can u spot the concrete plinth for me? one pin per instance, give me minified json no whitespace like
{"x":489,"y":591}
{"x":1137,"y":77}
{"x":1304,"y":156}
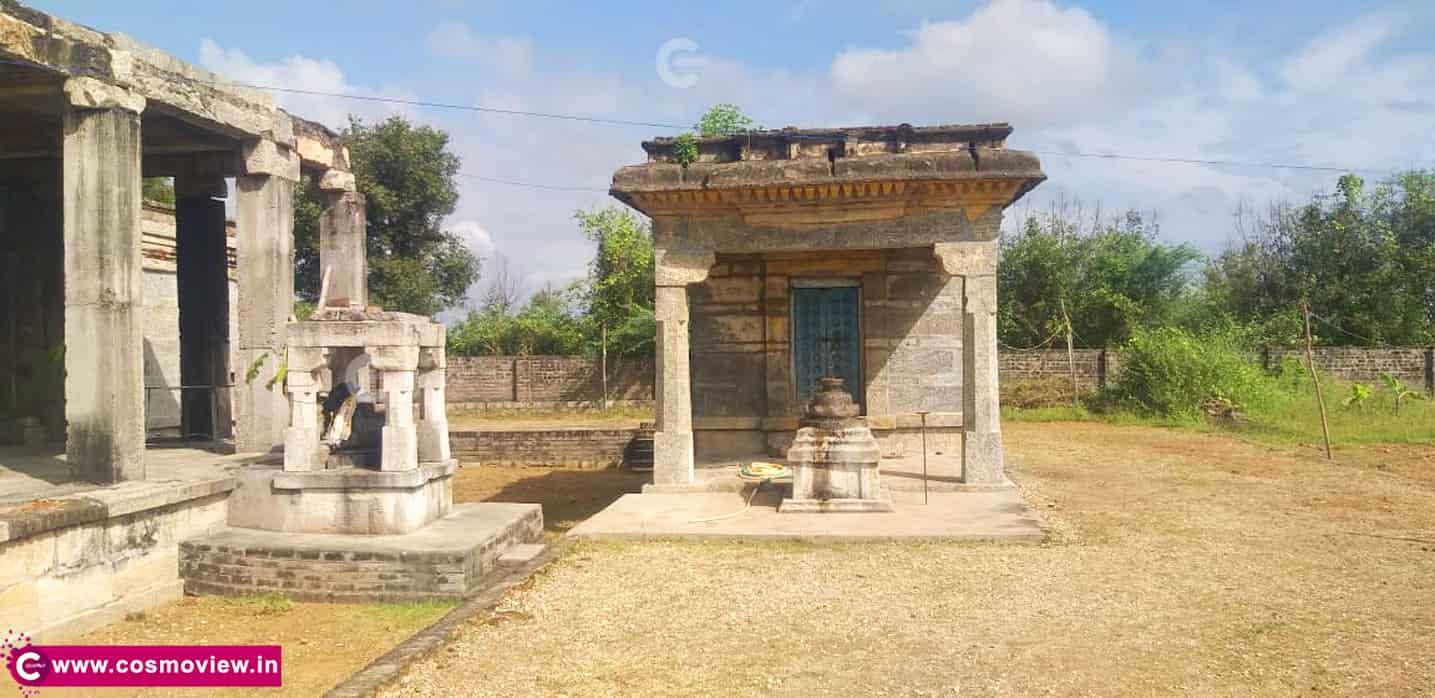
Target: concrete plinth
{"x":343,"y":501}
{"x":444,"y":560}
{"x":997,"y":516}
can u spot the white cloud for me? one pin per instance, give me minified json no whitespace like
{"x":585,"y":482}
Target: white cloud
{"x":510,"y":56}
{"x":1327,"y":60}
{"x":476,"y":236}
{"x":301,"y":73}
{"x":1026,"y":57}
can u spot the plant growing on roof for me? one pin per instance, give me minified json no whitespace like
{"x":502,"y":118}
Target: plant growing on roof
{"x":685,"y":149}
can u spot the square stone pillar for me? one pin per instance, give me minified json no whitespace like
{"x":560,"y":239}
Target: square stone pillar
{"x":433,"y":415}
{"x":265,"y":212}
{"x":342,"y":252}
{"x":673,"y":440}
{"x":104,"y":282}
{"x":202,"y":278}
{"x":302,"y":449}
{"x":982,"y":452}
{"x":396,"y":366}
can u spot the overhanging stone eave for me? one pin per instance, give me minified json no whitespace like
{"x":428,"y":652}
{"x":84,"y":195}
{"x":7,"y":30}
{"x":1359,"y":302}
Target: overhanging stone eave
{"x":833,"y":200}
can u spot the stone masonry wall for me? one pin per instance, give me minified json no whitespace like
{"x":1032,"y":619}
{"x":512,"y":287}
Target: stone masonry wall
{"x":584,"y":448}
{"x":64,"y":582}
{"x":490,"y":379}
{"x":546,"y":380}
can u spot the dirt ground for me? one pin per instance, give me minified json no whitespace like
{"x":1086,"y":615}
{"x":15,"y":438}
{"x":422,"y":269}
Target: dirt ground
{"x":323,"y":643}
{"x":568,"y":496}
{"x":1179,"y":563}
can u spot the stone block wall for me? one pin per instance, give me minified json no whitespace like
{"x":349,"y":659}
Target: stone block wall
{"x":501,"y":381}
{"x":64,"y":581}
{"x":1414,"y":366}
{"x":1411,"y":365}
{"x":584,"y":448}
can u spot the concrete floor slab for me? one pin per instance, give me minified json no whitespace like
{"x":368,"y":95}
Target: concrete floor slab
{"x":27,"y":474}
{"x":998,"y":515}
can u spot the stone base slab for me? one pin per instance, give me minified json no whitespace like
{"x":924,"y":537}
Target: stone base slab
{"x":444,"y":560}
{"x":347,"y":500}
{"x":834,"y":506}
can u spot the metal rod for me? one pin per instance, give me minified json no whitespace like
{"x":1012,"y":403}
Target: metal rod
{"x":924,"y":456}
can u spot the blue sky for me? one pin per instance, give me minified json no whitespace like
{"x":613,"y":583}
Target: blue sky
{"x":1314,"y":82}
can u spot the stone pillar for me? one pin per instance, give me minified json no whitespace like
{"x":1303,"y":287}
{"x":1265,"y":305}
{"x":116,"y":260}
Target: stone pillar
{"x":104,"y":282}
{"x":673,"y":440}
{"x":982,"y":452}
{"x":265,"y":213}
{"x":433,"y":417}
{"x":396,"y":366}
{"x":202,"y":276}
{"x":302,"y":450}
{"x":342,"y":252}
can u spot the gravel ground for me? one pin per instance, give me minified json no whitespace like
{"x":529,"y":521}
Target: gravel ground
{"x":1180,"y":563}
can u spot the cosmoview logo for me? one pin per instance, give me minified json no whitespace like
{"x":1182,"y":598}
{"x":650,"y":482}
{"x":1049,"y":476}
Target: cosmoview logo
{"x":676,"y":60}
{"x":26,"y":663}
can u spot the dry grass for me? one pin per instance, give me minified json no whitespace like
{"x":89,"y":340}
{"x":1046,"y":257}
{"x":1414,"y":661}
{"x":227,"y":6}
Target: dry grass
{"x":323,"y":643}
{"x":1181,"y":563}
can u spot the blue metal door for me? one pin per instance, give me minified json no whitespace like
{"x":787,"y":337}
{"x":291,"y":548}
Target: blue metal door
{"x":826,"y":338}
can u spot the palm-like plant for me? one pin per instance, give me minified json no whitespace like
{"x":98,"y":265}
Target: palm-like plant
{"x":1400,"y":391}
{"x":1359,"y":394}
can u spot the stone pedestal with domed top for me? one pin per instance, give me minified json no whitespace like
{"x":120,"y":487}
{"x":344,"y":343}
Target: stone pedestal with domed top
{"x":834,"y":457}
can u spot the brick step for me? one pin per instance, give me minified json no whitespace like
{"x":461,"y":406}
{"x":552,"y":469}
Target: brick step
{"x":443,"y":560}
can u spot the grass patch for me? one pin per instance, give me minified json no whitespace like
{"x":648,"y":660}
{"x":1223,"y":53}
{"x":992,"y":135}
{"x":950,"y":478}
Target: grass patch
{"x":410,"y":612}
{"x":1286,"y":415}
{"x":270,"y":604}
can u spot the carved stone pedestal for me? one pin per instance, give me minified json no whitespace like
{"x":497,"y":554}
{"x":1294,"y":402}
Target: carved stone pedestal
{"x":834,"y":458}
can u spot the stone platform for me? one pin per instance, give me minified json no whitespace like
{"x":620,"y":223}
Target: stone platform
{"x":443,"y":560}
{"x":996,"y":516}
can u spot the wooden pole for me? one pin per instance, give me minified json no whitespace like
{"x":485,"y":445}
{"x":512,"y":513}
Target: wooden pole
{"x":605,"y":365}
{"x":1070,"y":354}
{"x":1310,"y":363}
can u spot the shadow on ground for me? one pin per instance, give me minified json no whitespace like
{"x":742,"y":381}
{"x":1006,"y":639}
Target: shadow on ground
{"x":568,"y":496}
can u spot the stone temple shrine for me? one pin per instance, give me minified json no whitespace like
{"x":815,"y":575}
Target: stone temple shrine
{"x":791,"y":256}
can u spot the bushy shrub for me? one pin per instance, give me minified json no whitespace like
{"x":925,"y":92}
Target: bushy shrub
{"x":1176,"y":373}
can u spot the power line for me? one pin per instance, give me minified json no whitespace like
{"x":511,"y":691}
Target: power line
{"x":656,"y":124}
{"x":1197,"y":161}
{"x":446,"y":105}
{"x":533,"y":185}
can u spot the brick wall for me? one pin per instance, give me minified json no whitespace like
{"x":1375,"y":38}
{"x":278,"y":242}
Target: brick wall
{"x":1412,"y":365}
{"x":546,"y":380}
{"x":584,"y":448}
{"x":549,"y":380}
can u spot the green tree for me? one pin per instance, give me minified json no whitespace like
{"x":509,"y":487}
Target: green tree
{"x":618,"y":293}
{"x":406,"y":173}
{"x":1109,"y":277}
{"x":1363,"y":257}
{"x":159,"y":189}
{"x":546,"y":325}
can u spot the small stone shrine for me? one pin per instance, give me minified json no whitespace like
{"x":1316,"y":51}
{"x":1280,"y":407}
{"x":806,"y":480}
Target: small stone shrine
{"x":834,"y":457}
